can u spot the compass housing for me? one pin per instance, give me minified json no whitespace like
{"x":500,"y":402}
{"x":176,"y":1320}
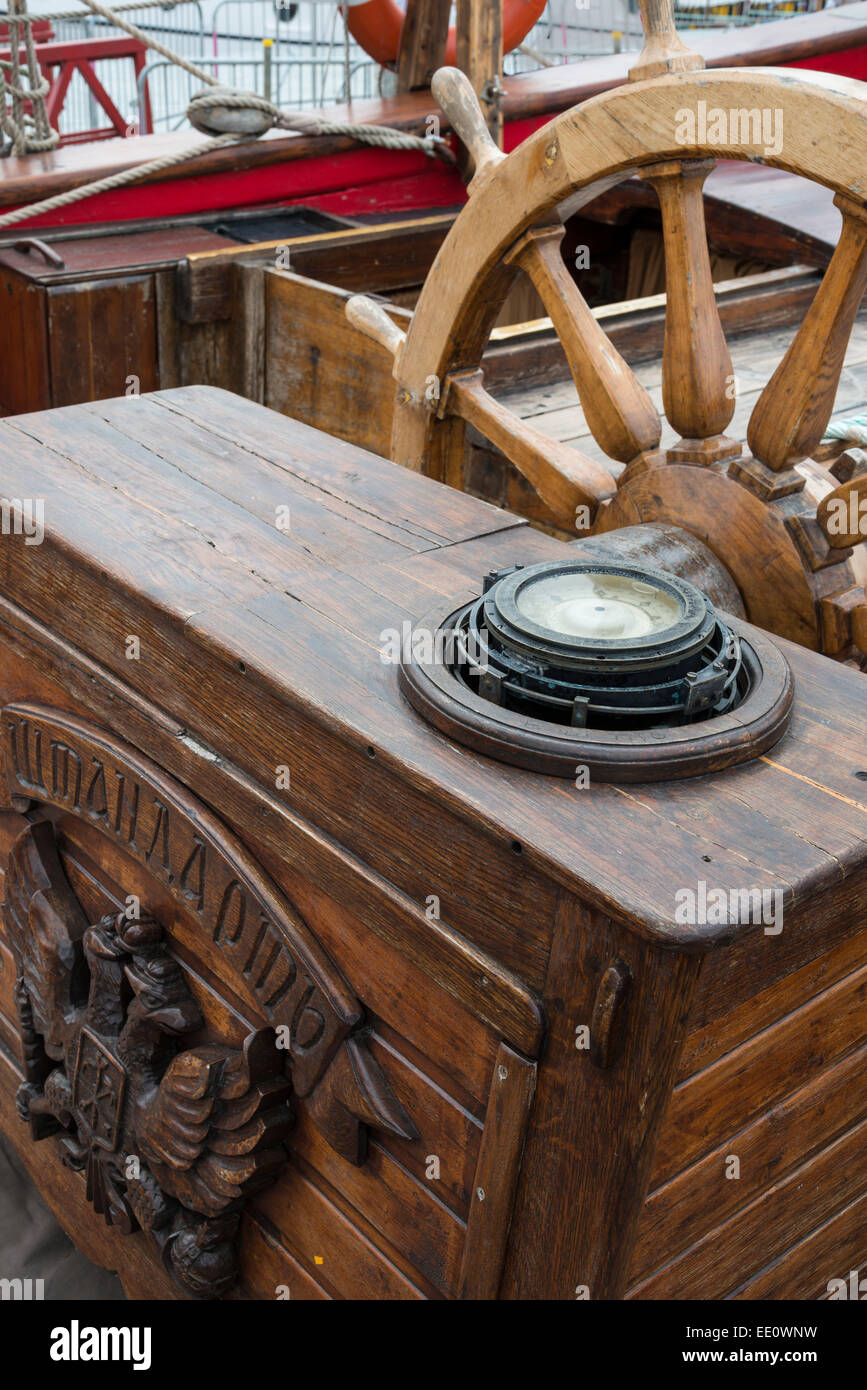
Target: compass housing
{"x":624,"y":669}
{"x":599,"y":646}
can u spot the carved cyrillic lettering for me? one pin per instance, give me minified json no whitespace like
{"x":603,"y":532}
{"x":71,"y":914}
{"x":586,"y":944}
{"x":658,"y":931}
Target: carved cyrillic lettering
{"x":233,"y":894}
{"x":161,"y":838}
{"x":129,"y":806}
{"x":192,"y":876}
{"x":64,"y":759}
{"x":96,"y":797}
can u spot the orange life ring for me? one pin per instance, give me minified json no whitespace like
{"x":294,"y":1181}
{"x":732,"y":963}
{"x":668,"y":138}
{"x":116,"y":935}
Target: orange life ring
{"x":376,"y":26}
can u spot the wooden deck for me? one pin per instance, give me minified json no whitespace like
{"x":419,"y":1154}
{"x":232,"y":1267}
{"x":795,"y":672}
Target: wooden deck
{"x":555,"y":410}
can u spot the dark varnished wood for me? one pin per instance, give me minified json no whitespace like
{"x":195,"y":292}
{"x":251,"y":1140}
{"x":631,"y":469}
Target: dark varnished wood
{"x":555,"y":912}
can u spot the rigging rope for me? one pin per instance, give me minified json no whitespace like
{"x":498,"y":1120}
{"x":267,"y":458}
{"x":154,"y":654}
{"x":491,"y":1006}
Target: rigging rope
{"x":28,"y":132}
{"x":211,"y":112}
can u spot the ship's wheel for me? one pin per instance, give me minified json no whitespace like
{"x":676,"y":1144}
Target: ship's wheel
{"x":772,"y":519}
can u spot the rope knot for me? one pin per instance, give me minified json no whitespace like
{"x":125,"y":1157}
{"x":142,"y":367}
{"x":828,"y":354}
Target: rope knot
{"x":228,"y":111}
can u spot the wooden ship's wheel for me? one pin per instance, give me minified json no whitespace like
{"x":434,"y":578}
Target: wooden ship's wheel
{"x":789,"y":532}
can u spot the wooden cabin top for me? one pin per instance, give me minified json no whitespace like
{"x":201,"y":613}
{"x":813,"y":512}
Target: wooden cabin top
{"x":529,"y":95}
{"x":262,"y":645}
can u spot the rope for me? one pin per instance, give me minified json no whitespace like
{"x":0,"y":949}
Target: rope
{"x":853,"y":430}
{"x":133,"y":30}
{"x":27,"y":131}
{"x":66,"y":15}
{"x":143,"y":171}
{"x":209,"y":112}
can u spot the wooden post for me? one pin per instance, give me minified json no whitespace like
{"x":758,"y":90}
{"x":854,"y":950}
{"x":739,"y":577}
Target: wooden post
{"x":422,"y":43}
{"x":480,"y":55}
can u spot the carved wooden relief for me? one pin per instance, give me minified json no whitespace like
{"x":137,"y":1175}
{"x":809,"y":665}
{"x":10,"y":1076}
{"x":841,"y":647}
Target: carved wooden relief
{"x":172,"y":1140}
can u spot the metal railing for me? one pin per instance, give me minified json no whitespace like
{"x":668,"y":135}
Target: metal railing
{"x":312,"y":61}
{"x":181,"y":27}
{"x":287,"y":81}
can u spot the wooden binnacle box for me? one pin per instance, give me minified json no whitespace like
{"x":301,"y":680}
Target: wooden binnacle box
{"x":299,"y":994}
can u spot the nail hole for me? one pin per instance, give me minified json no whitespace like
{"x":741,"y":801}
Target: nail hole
{"x":862,"y":776}
{"x":371,"y":752}
{"x":706,"y":859}
{"x":242,"y":668}
{"x":517,"y":847}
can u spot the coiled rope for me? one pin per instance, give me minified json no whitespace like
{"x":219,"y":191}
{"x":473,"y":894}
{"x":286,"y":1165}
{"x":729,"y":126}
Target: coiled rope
{"x":225,"y":114}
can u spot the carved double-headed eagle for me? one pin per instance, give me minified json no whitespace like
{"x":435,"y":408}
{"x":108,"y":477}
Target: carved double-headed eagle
{"x":172,"y":1141}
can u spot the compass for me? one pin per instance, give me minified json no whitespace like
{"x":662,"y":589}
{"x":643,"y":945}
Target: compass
{"x":628,"y":668}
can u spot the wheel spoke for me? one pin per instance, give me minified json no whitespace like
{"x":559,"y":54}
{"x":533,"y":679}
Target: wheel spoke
{"x":619,"y":412}
{"x":790,"y":416}
{"x":564,"y":478}
{"x":697,"y":377}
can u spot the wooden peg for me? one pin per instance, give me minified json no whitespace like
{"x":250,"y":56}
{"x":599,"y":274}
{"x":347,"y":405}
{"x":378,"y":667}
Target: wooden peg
{"x":697,"y":378}
{"x":621,"y":415}
{"x":564,"y":478}
{"x":663,"y":51}
{"x":371,"y":319}
{"x":460,"y":105}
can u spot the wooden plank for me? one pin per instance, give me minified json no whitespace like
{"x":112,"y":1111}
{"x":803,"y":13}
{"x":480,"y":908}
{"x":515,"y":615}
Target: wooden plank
{"x":388,"y":255}
{"x":24,"y":373}
{"x":684,"y":1210}
{"x":513,"y":1086}
{"x":320,"y":369}
{"x":479,"y":25}
{"x":769,"y":1226}
{"x":720,"y":1100}
{"x":829,"y":1253}
{"x":269,"y":1271}
{"x":99,"y":336}
{"x":719,"y":1024}
{"x":322,"y":1239}
{"x":422,"y":1235}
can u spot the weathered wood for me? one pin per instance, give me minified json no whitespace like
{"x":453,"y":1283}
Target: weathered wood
{"x":663,"y":51}
{"x":697,"y":379}
{"x":795,"y":406}
{"x":468,"y":907}
{"x":422,"y":42}
{"x":496,"y":1177}
{"x":573,"y":1251}
{"x":459,"y":103}
{"x":479,"y":25}
{"x":619,"y":412}
{"x":563,"y":478}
